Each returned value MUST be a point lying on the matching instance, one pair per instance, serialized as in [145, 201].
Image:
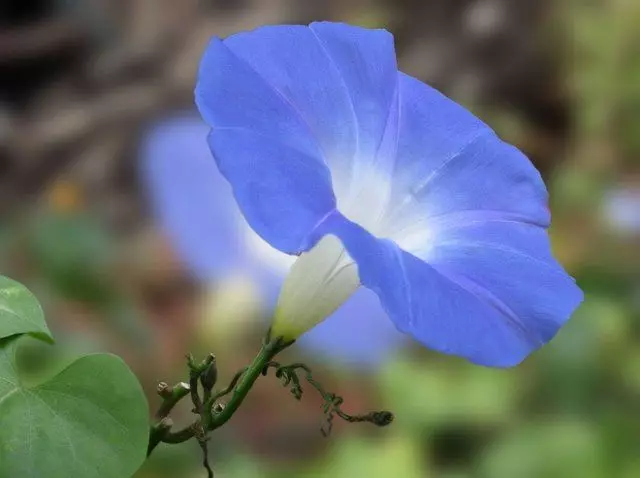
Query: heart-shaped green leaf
[20, 312]
[90, 421]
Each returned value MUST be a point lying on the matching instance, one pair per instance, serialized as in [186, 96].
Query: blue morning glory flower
[373, 178]
[197, 211]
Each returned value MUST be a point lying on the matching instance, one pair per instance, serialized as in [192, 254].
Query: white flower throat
[325, 277]
[319, 282]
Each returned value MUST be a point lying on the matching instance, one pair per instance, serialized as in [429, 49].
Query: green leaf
[20, 312]
[89, 420]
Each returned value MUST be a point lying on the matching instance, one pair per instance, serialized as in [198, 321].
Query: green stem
[209, 420]
[157, 434]
[181, 436]
[268, 351]
[228, 390]
[170, 397]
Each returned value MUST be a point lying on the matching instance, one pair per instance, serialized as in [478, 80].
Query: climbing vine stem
[212, 413]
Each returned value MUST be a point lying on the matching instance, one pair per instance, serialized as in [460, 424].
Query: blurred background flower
[87, 87]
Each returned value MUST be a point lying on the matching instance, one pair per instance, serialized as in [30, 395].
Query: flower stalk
[212, 415]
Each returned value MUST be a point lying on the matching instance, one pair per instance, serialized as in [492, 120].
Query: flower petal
[509, 265]
[367, 63]
[283, 193]
[292, 59]
[274, 121]
[449, 161]
[359, 333]
[339, 81]
[231, 94]
[190, 197]
[451, 315]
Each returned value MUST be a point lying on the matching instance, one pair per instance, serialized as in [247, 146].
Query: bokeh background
[81, 83]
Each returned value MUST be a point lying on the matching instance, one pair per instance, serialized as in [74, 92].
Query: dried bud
[164, 390]
[209, 377]
[382, 418]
